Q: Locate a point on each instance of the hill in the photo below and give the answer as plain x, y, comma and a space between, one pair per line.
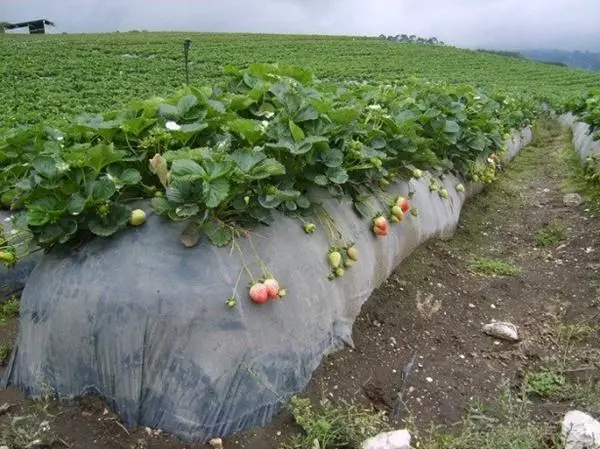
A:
578, 59
98, 72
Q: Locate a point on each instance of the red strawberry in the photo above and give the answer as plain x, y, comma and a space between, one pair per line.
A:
402, 203
259, 293
272, 287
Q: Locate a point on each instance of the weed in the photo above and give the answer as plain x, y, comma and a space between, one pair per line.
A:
545, 384
9, 309
496, 267
5, 351
576, 332
550, 235
24, 432
507, 424
579, 179
331, 426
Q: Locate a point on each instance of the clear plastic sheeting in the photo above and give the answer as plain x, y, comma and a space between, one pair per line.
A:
13, 280
583, 141
140, 320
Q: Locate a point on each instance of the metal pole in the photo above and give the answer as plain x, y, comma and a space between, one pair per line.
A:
186, 48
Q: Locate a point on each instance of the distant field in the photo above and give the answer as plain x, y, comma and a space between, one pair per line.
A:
54, 76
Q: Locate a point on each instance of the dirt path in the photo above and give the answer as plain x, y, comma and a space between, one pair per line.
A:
519, 255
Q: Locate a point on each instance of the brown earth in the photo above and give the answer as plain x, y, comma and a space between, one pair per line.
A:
420, 334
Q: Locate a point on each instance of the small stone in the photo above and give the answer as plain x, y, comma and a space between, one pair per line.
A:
429, 379
471, 305
572, 200
580, 431
503, 330
397, 439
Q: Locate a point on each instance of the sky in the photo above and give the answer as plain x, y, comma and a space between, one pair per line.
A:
497, 24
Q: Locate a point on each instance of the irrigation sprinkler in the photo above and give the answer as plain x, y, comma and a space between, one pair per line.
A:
186, 49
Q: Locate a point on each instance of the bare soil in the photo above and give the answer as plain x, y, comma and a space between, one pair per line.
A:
419, 348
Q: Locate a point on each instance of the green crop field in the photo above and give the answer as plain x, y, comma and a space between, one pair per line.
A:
90, 124
53, 76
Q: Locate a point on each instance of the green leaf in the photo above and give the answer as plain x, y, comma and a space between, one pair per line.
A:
76, 204
303, 202
168, 111
185, 104
46, 166
187, 210
215, 192
321, 180
37, 217
269, 201
216, 170
266, 168
451, 127
160, 205
248, 129
296, 131
291, 205
101, 155
136, 125
344, 116
306, 113
190, 128
101, 190
332, 158
241, 102
362, 209
130, 176
246, 159
187, 169
117, 218
337, 175
218, 234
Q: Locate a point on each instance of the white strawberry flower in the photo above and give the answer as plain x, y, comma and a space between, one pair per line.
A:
62, 166
269, 114
172, 126
374, 107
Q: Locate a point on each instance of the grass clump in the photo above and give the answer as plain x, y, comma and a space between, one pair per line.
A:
496, 267
9, 309
551, 234
507, 424
331, 426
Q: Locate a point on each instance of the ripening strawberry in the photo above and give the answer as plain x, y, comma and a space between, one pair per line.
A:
335, 259
402, 203
259, 293
272, 287
352, 253
380, 225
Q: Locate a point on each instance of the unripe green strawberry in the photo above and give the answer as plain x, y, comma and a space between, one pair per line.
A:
397, 212
433, 187
7, 257
376, 162
138, 217
282, 292
335, 259
414, 212
417, 174
443, 193
309, 228
339, 272
460, 188
349, 263
395, 219
352, 253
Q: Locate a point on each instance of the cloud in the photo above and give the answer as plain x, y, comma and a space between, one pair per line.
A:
511, 24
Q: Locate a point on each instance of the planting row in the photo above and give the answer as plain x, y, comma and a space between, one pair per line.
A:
223, 158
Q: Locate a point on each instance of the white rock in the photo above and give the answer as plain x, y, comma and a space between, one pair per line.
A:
397, 439
503, 330
580, 431
572, 200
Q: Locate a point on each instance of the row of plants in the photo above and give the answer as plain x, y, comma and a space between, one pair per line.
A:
587, 109
227, 157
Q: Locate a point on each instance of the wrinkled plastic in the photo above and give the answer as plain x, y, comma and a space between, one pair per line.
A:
12, 281
141, 320
583, 141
